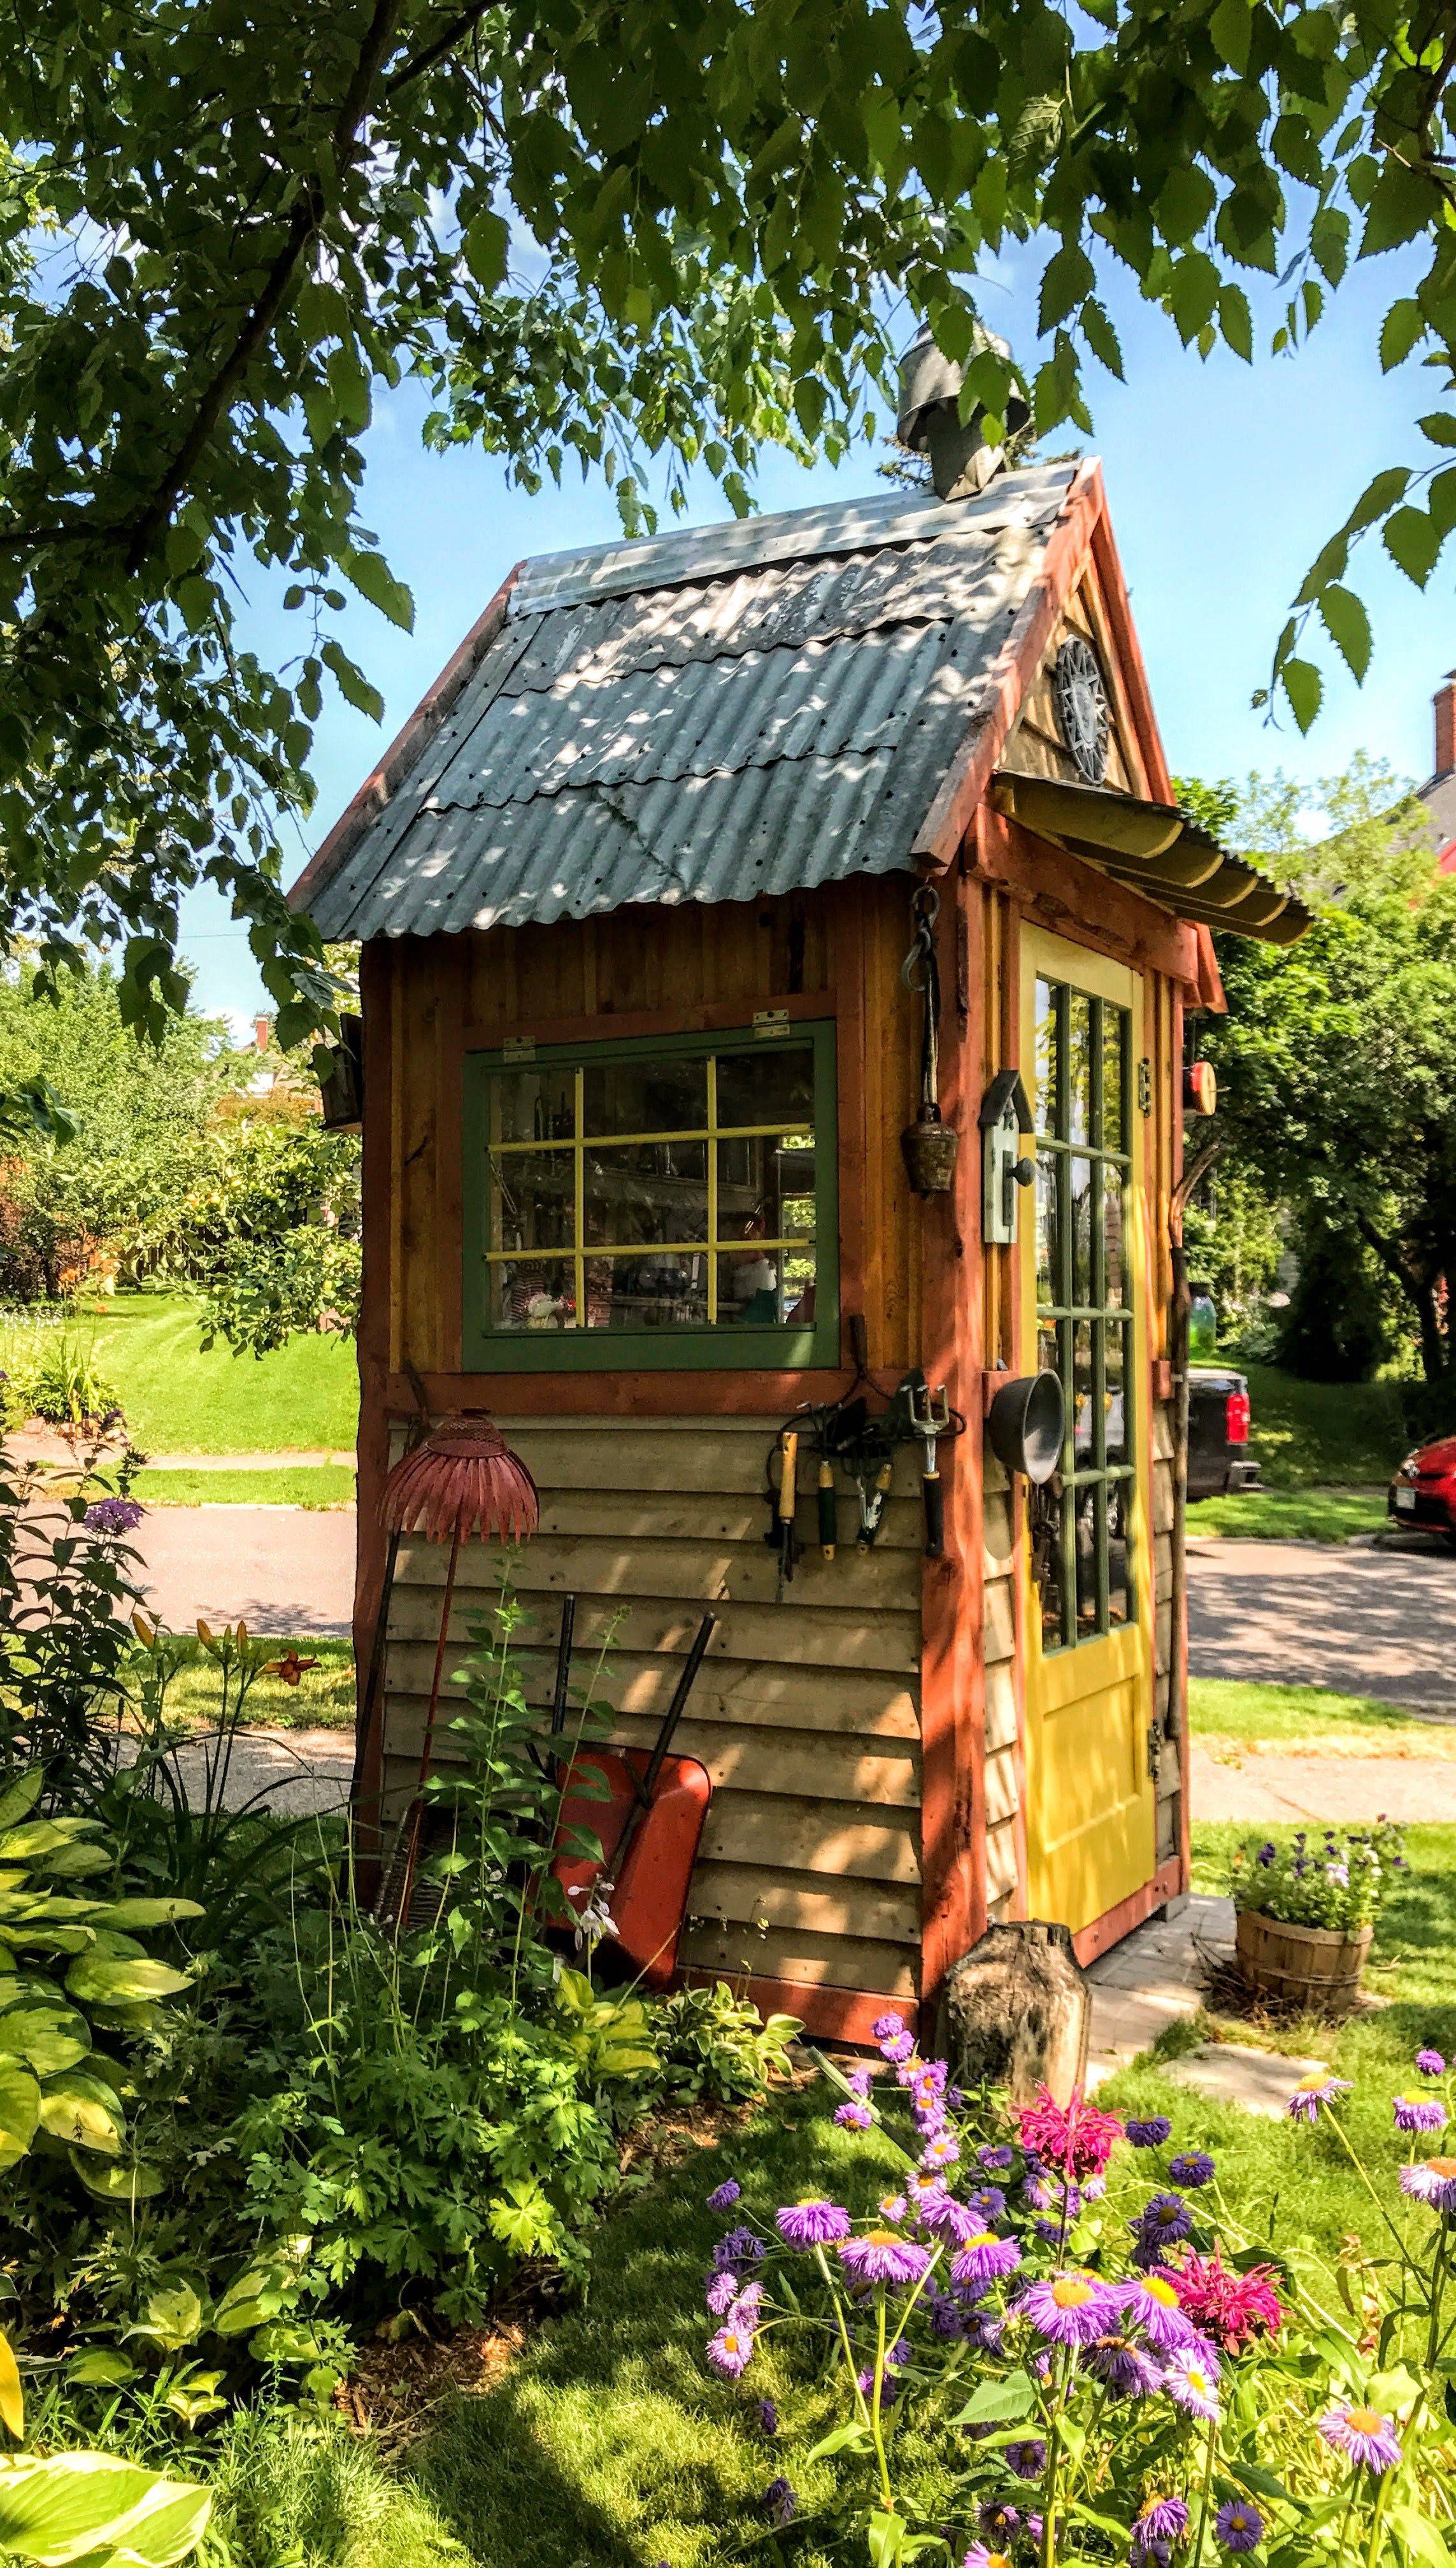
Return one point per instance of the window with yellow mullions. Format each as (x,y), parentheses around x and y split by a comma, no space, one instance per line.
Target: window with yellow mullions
(1080,1531)
(662,1202)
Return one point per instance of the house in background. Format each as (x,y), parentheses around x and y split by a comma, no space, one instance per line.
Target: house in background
(1439,791)
(635,887)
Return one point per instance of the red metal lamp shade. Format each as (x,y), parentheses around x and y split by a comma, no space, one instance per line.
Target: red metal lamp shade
(462,1475)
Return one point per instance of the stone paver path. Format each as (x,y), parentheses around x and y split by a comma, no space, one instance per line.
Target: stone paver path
(1156,1976)
(1356,1621)
(298,1770)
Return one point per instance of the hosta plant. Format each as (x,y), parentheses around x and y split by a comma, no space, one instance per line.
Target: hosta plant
(982,2363)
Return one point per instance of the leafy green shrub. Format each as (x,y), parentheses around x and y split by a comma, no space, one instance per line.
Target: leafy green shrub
(70,1388)
(1336,1881)
(715,2046)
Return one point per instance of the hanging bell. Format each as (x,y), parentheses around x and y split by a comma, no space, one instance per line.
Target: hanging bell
(930,1148)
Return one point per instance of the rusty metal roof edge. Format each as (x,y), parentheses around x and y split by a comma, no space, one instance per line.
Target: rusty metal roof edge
(550,580)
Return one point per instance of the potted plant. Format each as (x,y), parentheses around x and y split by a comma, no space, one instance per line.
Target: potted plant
(1306,1911)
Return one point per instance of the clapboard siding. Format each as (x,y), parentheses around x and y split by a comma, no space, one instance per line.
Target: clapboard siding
(804,1711)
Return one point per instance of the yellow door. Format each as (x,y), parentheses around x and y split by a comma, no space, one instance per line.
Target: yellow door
(1088,1604)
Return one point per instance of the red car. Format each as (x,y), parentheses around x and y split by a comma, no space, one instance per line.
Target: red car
(1423,1492)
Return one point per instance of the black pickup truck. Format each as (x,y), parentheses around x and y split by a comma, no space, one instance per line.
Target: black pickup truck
(1217,1433)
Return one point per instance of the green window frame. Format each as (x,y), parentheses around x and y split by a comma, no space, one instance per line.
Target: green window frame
(714,1342)
(1082,1521)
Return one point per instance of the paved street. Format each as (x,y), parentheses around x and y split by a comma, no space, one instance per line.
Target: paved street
(1357,1621)
(283,1569)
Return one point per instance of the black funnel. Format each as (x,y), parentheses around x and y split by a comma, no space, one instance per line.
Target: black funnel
(1028,1422)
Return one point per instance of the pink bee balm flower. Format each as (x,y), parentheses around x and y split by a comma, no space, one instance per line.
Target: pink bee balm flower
(1419,2113)
(883,2257)
(1192,2380)
(1070,2309)
(1152,2303)
(984,2260)
(1365,2436)
(1317,2089)
(812,2223)
(1230,2308)
(731,2350)
(1431,2180)
(1074,2139)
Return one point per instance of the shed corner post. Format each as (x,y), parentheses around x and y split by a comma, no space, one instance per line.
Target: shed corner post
(376,997)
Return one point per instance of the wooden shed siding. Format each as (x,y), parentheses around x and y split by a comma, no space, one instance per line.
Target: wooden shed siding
(804,1713)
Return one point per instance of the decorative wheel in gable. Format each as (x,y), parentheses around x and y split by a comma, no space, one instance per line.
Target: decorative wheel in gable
(1083,717)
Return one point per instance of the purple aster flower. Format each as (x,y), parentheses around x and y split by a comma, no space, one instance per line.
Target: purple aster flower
(997,2523)
(1122,2367)
(779,2501)
(947,2219)
(1365,2436)
(1430,2063)
(924,2189)
(855,2117)
(744,2311)
(1163,2520)
(889,2390)
(812,2223)
(1419,2113)
(114,1515)
(1150,2132)
(899,2353)
(1191,2377)
(1027,2460)
(1239,2526)
(730,2351)
(1164,2220)
(984,2331)
(978,2556)
(1431,2180)
(1070,2309)
(859,2081)
(996,2158)
(984,2260)
(1267,1853)
(740,2247)
(985,2206)
(722,2292)
(1193,2168)
(946,2320)
(725,2195)
(767,2419)
(893,2206)
(900,2047)
(1150,2303)
(1037,2191)
(942,2150)
(1314,2091)
(886,2027)
(882,2257)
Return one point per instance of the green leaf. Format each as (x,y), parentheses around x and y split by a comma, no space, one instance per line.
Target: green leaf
(1420,2535)
(998,2403)
(1439,426)
(1237,321)
(853,2437)
(20,2112)
(47,2039)
(104,2367)
(1403,205)
(123,1979)
(83,2111)
(126,2185)
(1344,619)
(148,1912)
(485,243)
(21,1796)
(1399,331)
(255,2296)
(78,2503)
(1411,539)
(1231,27)
(1305,688)
(173,2317)
(353,686)
(373,578)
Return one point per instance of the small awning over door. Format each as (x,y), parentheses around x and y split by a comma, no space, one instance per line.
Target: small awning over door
(1159,850)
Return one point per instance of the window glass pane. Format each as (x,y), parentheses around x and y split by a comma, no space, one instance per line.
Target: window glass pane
(1048,1227)
(774,1086)
(533,1199)
(1115,1361)
(1114,1020)
(1079,1052)
(766,1187)
(666,1096)
(1082,1182)
(1114,1285)
(766,1288)
(665,1291)
(531,1293)
(1045,1058)
(648,1190)
(1081,1401)
(1119,1586)
(531,1105)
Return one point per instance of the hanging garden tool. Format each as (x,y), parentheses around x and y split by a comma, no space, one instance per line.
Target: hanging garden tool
(930,1145)
(935,1421)
(826,1506)
(648,1821)
(788,1501)
(462,1477)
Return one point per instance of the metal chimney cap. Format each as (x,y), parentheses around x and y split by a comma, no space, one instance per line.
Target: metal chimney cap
(932,381)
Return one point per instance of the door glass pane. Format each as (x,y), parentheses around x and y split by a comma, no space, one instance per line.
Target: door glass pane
(650,1190)
(1119,1584)
(1079,1057)
(1114,1286)
(531,1105)
(1082,1396)
(1045,1057)
(1113,1021)
(660,1096)
(533,1199)
(1115,1363)
(533,1293)
(1089,1503)
(1048,1228)
(774,1086)
(1081,1186)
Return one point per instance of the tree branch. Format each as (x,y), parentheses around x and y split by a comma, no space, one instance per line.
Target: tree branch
(430,54)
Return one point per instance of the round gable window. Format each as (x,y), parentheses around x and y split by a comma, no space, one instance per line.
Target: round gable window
(1083,717)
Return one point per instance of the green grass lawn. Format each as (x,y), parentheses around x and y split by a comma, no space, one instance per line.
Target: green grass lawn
(323,1697)
(297,1484)
(179,1401)
(1304,1716)
(1291,1515)
(1316,1435)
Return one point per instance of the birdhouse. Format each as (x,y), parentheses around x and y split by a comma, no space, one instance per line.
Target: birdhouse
(651,987)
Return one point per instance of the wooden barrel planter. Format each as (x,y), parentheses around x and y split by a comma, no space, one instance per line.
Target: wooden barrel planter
(1317,1967)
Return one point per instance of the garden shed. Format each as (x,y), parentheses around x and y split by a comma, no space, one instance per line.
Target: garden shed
(645,895)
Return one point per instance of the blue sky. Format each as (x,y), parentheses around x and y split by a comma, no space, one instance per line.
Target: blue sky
(1223,480)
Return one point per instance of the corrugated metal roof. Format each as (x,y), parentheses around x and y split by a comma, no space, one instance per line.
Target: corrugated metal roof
(705,717)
